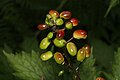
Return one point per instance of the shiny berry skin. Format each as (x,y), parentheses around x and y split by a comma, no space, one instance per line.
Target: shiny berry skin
(42,26)
(68,25)
(44,43)
(65,14)
(59,21)
(58,57)
(60,34)
(46,56)
(80,55)
(54,13)
(59,42)
(80,34)
(50,35)
(74,21)
(100,78)
(87,50)
(71,48)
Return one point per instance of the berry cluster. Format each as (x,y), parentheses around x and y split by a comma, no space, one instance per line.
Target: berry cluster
(58,24)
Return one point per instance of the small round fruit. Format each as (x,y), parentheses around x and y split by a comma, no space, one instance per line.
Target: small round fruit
(74,21)
(50,35)
(58,57)
(54,13)
(100,78)
(68,25)
(65,14)
(87,50)
(80,55)
(47,55)
(72,49)
(61,73)
(59,21)
(80,34)
(42,26)
(44,43)
(59,42)
(60,34)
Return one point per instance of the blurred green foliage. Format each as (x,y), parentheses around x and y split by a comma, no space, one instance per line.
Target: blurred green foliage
(19,20)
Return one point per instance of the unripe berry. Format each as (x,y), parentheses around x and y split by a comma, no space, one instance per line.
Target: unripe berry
(47,55)
(59,42)
(80,34)
(74,21)
(100,78)
(72,49)
(87,50)
(65,14)
(59,21)
(50,35)
(58,57)
(44,43)
(68,25)
(60,34)
(42,26)
(80,55)
(54,13)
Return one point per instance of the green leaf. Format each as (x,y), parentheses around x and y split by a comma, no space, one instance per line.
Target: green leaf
(31,67)
(87,69)
(113,3)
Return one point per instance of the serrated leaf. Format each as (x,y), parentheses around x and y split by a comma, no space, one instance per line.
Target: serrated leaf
(87,69)
(28,66)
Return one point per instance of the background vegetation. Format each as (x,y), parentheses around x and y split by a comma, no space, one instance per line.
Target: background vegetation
(18,29)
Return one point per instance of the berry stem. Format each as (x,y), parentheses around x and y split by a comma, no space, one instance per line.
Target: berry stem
(70,39)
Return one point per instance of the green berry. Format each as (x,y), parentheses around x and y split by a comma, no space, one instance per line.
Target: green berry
(72,49)
(60,73)
(59,42)
(50,35)
(81,55)
(68,25)
(58,57)
(59,21)
(44,43)
(47,55)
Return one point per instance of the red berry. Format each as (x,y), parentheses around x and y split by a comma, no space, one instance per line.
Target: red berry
(42,27)
(54,13)
(65,14)
(60,34)
(80,34)
(74,21)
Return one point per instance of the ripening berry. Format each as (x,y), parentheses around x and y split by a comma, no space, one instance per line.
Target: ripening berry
(68,25)
(47,55)
(58,57)
(59,42)
(80,55)
(100,78)
(74,21)
(71,48)
(80,34)
(50,35)
(44,43)
(59,21)
(54,13)
(65,14)
(42,26)
(87,50)
(60,34)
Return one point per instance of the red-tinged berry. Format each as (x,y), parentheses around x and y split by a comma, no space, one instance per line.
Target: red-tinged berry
(58,57)
(68,25)
(42,26)
(74,21)
(54,13)
(60,34)
(65,14)
(80,34)
(87,50)
(100,78)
